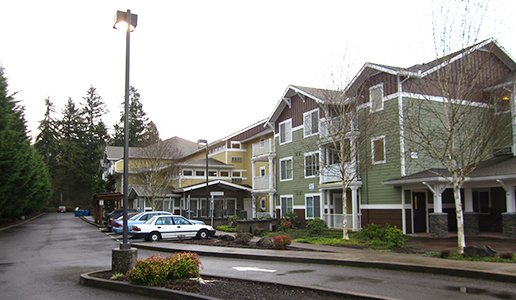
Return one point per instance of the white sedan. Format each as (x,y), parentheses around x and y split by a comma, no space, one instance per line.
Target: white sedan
(171,227)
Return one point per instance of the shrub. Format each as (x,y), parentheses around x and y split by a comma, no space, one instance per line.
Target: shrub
(156,270)
(185,265)
(281,241)
(292,218)
(233,220)
(243,238)
(285,224)
(226,228)
(377,236)
(315,226)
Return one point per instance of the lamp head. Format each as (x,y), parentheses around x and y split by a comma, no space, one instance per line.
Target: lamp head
(121,20)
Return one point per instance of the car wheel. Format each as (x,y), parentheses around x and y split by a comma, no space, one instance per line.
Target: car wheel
(154,236)
(203,234)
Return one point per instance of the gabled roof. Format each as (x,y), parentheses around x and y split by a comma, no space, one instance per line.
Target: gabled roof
(179,148)
(227,184)
(425,69)
(140,191)
(318,95)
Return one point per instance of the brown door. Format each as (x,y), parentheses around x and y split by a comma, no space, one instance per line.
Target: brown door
(419,211)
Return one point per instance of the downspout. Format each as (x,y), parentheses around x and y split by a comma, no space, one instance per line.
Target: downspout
(402,126)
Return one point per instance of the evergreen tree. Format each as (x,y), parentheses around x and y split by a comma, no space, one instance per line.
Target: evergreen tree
(24,180)
(140,135)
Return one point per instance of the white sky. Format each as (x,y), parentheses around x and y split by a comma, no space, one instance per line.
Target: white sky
(206,69)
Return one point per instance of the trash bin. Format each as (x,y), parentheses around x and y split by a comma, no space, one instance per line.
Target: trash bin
(77,213)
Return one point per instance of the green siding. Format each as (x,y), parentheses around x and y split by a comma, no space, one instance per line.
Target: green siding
(297,149)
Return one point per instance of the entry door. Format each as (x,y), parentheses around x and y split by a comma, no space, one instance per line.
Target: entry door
(218,208)
(419,211)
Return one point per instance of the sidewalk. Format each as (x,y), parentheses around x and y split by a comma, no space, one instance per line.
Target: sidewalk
(352,257)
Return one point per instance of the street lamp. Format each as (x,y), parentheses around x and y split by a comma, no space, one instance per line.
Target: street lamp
(124,259)
(205,142)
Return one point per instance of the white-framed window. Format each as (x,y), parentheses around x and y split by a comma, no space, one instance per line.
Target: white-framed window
(311,164)
(263,203)
(286,169)
(313,205)
(481,201)
(236,159)
(262,171)
(212,173)
(287,206)
(200,173)
(311,122)
(224,173)
(235,145)
(378,150)
(285,129)
(376,97)
(236,174)
(187,173)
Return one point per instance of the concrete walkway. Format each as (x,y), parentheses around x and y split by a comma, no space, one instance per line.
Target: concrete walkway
(351,257)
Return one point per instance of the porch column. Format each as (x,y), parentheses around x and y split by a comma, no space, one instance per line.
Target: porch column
(253,206)
(354,208)
(187,206)
(321,205)
(253,173)
(272,209)
(509,217)
(438,220)
(470,217)
(271,172)
(403,212)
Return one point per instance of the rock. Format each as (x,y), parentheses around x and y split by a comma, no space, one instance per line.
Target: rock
(227,237)
(265,242)
(479,251)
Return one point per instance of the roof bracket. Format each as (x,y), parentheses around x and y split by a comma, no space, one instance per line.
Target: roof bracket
(302,97)
(288,100)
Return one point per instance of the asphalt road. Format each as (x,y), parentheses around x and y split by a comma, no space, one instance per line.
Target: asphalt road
(42,259)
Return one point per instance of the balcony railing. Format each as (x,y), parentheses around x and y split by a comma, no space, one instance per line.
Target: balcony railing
(333,173)
(261,183)
(264,147)
(335,221)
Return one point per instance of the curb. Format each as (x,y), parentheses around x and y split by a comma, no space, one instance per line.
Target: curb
(353,263)
(23,222)
(122,286)
(91,223)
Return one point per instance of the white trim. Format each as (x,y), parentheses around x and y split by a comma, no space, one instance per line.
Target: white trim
(313,204)
(380,85)
(374,139)
(304,125)
(279,130)
(215,182)
(304,163)
(297,206)
(291,158)
(385,206)
(291,196)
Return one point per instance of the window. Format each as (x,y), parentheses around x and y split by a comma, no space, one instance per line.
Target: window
(262,171)
(180,221)
(286,169)
(481,201)
(285,129)
(236,159)
(199,173)
(236,174)
(231,207)
(224,173)
(378,150)
(235,145)
(313,206)
(311,122)
(263,203)
(212,173)
(376,97)
(311,164)
(286,205)
(187,172)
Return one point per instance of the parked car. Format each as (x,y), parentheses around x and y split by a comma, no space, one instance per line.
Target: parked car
(115,214)
(139,218)
(171,227)
(61,209)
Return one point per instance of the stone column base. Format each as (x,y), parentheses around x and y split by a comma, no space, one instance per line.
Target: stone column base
(438,225)
(470,223)
(509,224)
(123,260)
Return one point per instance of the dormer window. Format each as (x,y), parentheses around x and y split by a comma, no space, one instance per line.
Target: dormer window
(376,97)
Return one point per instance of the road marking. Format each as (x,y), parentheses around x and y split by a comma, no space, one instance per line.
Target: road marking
(243,269)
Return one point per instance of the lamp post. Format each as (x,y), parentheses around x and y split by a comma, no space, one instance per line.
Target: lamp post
(125,258)
(205,142)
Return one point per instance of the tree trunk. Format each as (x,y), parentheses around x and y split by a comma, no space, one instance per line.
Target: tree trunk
(345,235)
(461,241)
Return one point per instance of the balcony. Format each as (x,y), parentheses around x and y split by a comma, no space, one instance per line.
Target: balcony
(335,221)
(333,173)
(263,148)
(261,183)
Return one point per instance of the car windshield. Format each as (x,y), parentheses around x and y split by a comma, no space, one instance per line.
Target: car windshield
(135,217)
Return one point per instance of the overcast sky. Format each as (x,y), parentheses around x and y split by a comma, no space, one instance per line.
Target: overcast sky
(206,69)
